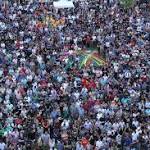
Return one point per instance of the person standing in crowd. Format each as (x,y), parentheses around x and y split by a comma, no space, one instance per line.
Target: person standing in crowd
(47,101)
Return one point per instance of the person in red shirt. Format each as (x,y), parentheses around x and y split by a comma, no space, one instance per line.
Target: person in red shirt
(85,83)
(88,84)
(43,84)
(92,84)
(45,124)
(85,142)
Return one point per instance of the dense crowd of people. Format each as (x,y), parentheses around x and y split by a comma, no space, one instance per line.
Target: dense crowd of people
(47,104)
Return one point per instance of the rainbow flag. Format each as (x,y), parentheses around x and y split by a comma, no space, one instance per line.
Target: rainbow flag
(88,58)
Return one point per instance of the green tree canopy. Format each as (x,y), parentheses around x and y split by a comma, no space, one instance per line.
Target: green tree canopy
(127,3)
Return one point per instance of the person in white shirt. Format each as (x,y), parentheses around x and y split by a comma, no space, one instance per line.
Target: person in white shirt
(88,125)
(52,144)
(2,145)
(135,123)
(135,136)
(65,124)
(118,139)
(45,138)
(99,144)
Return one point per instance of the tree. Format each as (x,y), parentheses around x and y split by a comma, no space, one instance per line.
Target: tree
(127,3)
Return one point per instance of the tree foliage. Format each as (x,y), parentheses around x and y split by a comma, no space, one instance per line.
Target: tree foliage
(127,3)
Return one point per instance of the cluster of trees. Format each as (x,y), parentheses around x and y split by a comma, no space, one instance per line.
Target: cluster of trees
(127,3)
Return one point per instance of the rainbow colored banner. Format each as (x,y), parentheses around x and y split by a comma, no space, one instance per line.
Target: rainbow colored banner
(88,58)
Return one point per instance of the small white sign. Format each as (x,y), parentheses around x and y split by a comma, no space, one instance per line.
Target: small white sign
(63,4)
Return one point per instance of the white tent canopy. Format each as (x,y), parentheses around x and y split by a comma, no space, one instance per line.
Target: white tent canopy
(63,4)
